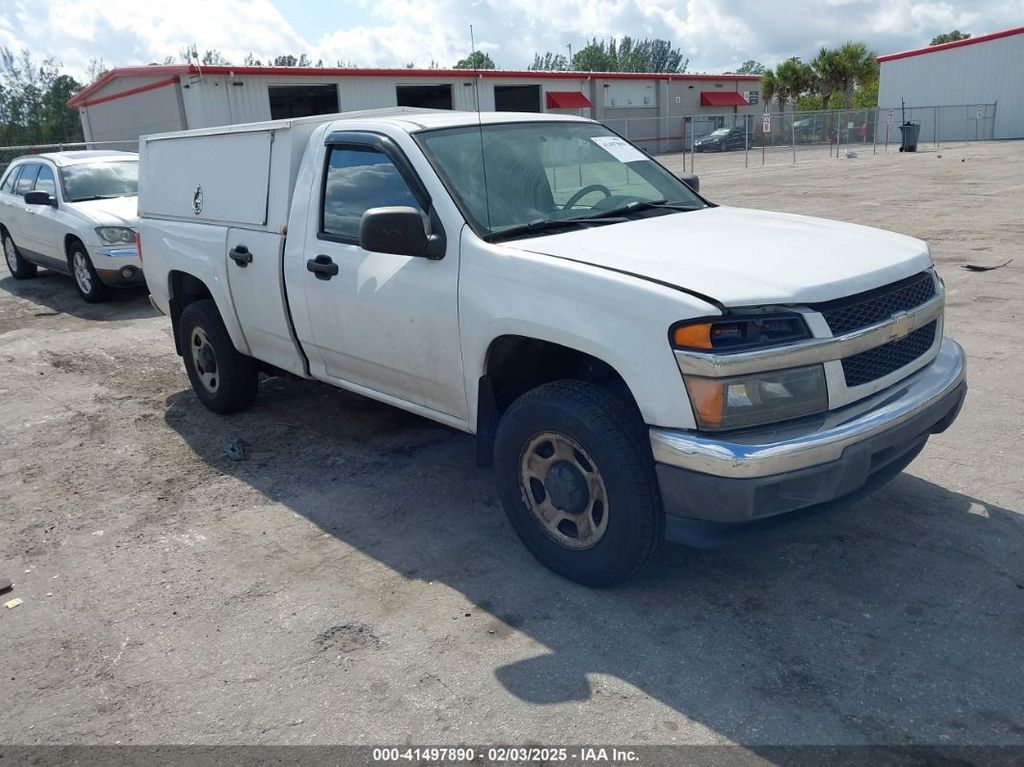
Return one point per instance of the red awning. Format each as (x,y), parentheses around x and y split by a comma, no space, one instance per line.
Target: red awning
(567,100)
(722,99)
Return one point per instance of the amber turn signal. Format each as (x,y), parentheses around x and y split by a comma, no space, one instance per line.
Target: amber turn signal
(696,336)
(708,398)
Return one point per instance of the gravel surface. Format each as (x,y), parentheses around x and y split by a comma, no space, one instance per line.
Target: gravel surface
(353,579)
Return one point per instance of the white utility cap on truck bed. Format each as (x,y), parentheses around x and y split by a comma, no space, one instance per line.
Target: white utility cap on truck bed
(245,174)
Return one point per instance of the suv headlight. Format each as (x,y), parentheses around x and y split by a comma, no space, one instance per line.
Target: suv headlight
(116,235)
(752,399)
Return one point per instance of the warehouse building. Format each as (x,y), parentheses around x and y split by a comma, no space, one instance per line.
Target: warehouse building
(126,103)
(974,88)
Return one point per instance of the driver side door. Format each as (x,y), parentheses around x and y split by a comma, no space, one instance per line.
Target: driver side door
(382,323)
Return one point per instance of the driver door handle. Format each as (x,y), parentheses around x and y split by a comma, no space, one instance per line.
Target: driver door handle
(323,267)
(240,255)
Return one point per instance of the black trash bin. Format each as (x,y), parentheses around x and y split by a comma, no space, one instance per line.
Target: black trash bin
(909,133)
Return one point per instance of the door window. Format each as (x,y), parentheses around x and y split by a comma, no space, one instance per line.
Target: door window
(359,178)
(12,176)
(45,181)
(26,179)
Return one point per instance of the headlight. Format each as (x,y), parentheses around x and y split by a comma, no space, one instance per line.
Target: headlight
(116,235)
(729,334)
(757,398)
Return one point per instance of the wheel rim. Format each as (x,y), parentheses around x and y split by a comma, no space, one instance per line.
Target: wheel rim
(11,254)
(205,360)
(80,266)
(564,490)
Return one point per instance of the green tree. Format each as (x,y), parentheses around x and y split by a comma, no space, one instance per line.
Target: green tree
(794,79)
(549,62)
(866,97)
(288,60)
(593,57)
(830,73)
(769,88)
(809,102)
(625,54)
(476,60)
(751,67)
(860,69)
(950,37)
(33,98)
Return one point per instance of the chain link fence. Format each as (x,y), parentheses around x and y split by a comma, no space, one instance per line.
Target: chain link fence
(773,138)
(689,142)
(9,153)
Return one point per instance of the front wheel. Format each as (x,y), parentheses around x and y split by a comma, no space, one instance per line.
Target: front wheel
(225,380)
(90,287)
(20,268)
(576,478)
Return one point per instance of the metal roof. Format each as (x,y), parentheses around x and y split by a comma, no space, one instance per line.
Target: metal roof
(169,72)
(955,44)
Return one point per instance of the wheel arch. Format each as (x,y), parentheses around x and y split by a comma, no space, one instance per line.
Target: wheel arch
(183,289)
(515,364)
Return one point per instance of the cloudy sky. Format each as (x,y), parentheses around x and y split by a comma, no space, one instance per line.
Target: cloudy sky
(717,35)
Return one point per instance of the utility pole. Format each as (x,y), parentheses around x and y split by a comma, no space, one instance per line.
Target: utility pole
(569,46)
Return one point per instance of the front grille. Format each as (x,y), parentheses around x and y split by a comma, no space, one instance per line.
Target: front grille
(878,362)
(854,312)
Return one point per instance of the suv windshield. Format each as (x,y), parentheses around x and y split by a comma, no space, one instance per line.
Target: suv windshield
(100,180)
(720,132)
(517,178)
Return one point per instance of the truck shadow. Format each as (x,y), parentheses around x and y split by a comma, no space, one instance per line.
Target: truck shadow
(895,621)
(56,292)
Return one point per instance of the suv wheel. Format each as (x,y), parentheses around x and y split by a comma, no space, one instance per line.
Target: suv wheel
(90,286)
(20,268)
(576,478)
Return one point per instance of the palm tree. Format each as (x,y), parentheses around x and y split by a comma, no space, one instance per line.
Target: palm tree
(859,68)
(794,78)
(769,88)
(830,74)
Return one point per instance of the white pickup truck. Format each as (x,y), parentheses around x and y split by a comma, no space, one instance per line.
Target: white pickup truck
(636,362)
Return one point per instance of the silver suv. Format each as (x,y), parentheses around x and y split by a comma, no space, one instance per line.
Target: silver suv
(75,213)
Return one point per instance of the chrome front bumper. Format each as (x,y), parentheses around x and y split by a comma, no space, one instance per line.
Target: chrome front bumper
(768,451)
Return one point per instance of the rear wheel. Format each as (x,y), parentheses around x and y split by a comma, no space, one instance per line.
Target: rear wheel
(90,287)
(20,268)
(223,379)
(576,479)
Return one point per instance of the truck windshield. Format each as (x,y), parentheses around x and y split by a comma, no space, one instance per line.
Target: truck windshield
(520,178)
(100,180)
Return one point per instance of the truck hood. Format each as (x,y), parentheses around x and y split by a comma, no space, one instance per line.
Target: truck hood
(741,257)
(117,211)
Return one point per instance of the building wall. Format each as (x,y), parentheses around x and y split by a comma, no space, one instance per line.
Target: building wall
(151,111)
(206,100)
(984,73)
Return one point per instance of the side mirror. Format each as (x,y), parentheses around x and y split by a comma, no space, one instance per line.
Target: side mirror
(398,230)
(692,181)
(39,198)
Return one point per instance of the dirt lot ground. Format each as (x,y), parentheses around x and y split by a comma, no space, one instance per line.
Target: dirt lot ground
(354,580)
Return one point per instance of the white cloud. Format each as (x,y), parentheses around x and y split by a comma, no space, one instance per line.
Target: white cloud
(715,34)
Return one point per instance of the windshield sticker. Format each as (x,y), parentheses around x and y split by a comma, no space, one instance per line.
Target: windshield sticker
(619,148)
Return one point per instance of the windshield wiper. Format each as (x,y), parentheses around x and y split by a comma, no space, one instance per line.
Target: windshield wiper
(547,224)
(97,197)
(638,205)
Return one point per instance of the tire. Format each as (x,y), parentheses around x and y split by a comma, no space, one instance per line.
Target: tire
(19,267)
(89,285)
(224,380)
(599,532)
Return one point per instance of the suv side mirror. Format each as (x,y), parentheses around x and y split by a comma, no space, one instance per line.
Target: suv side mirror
(398,230)
(39,198)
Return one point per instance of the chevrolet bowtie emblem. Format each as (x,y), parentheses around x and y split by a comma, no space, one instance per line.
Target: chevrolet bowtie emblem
(902,325)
